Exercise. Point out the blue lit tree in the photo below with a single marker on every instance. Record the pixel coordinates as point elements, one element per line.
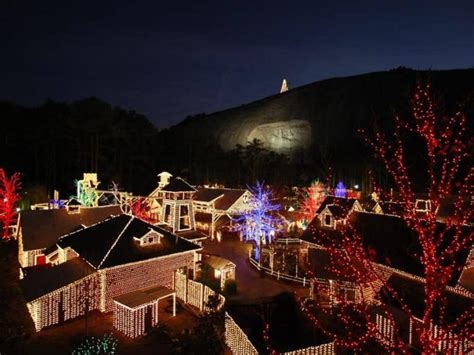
<point>257,223</point>
<point>340,190</point>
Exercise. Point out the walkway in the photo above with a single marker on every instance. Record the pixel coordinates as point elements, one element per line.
<point>251,286</point>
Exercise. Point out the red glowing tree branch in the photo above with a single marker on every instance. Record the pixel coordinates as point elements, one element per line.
<point>9,195</point>
<point>447,150</point>
<point>141,209</point>
<point>314,196</point>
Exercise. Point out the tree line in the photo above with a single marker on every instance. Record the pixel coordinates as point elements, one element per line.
<point>51,145</point>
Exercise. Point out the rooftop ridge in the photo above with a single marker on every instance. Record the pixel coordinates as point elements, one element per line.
<point>115,242</point>
<point>92,225</point>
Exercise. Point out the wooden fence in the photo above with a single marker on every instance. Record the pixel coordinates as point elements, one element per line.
<point>194,293</point>
<point>279,275</point>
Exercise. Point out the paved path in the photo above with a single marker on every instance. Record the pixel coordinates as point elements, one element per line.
<point>251,287</point>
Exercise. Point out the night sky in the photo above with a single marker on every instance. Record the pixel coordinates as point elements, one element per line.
<point>175,58</point>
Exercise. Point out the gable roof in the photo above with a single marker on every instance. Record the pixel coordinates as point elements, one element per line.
<point>43,281</point>
<point>178,185</point>
<point>217,262</point>
<point>111,242</point>
<point>224,198</point>
<point>338,211</point>
<point>205,194</point>
<point>73,202</point>
<point>346,203</point>
<point>413,293</point>
<point>466,279</point>
<point>42,228</point>
<point>368,205</point>
<point>387,238</point>
<point>393,208</point>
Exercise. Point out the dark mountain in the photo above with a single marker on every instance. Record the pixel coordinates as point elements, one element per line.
<point>317,123</point>
<point>294,137</point>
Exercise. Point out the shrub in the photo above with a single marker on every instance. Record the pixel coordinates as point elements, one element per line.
<point>97,346</point>
<point>230,287</point>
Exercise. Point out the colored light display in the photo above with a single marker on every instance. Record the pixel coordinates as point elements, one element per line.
<point>258,223</point>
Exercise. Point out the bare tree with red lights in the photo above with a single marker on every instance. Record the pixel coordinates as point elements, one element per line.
<point>9,195</point>
<point>449,175</point>
<point>313,197</point>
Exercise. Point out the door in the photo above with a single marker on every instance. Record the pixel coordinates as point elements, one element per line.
<point>60,309</point>
<point>149,319</point>
<point>40,259</point>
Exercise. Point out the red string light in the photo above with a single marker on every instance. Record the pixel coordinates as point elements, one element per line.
<point>9,195</point>
<point>447,152</point>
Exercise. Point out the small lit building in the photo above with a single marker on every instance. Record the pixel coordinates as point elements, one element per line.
<point>155,198</point>
<point>40,229</point>
<point>137,312</point>
<point>215,208</point>
<point>393,250</point>
<point>96,265</point>
<point>223,269</point>
<point>177,211</point>
<point>336,210</point>
<point>339,287</point>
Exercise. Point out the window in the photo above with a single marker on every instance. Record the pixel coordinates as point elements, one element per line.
<point>350,295</point>
<point>73,209</point>
<point>327,220</point>
<point>167,218</point>
<point>151,238</point>
<point>184,220</point>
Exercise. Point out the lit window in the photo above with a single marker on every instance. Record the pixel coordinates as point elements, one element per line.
<point>151,238</point>
<point>327,220</point>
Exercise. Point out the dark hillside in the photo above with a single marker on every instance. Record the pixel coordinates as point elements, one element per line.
<point>53,144</point>
<point>296,136</point>
<point>334,109</point>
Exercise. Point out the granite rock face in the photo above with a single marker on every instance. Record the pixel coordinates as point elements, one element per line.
<point>323,118</point>
<point>283,137</point>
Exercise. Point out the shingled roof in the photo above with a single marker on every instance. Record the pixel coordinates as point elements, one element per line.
<point>393,208</point>
<point>178,185</point>
<point>345,203</point>
<point>111,242</point>
<point>46,280</point>
<point>338,211</point>
<point>41,229</point>
<point>217,262</point>
<point>413,293</point>
<point>224,198</point>
<point>388,238</point>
